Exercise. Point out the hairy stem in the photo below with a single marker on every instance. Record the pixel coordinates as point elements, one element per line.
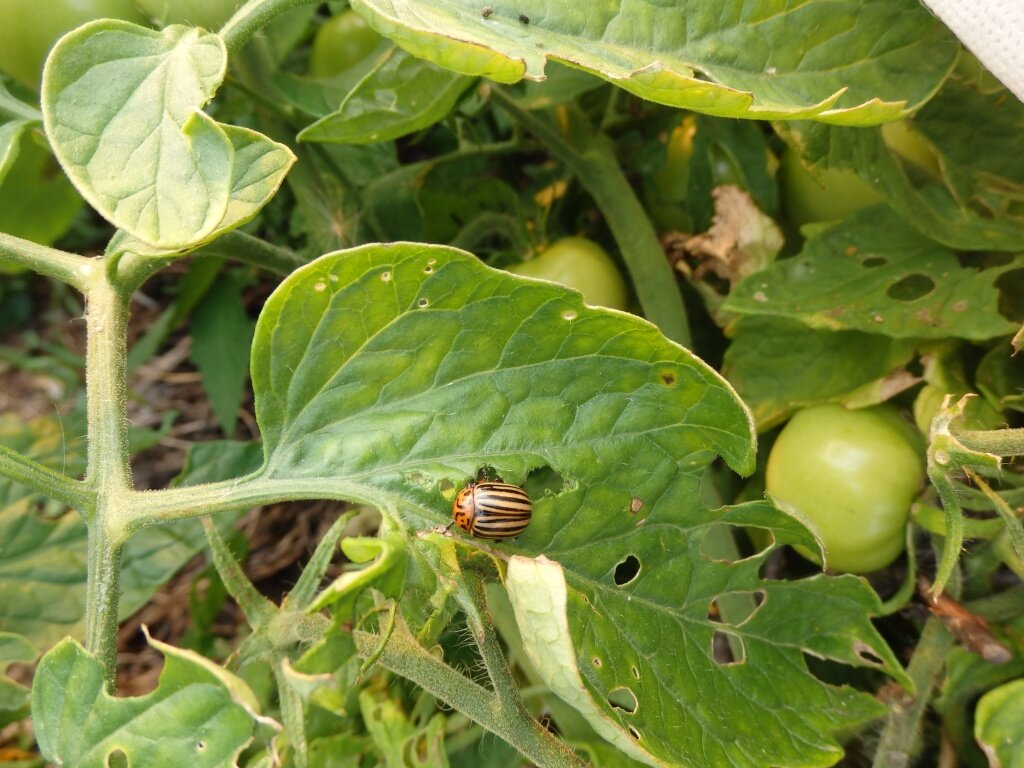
<point>1001,442</point>
<point>404,656</point>
<point>66,267</point>
<point>32,475</point>
<point>251,18</point>
<point>108,471</point>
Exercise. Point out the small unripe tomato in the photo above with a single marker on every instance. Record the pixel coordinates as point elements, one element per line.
<point>578,263</point>
<point>342,41</point>
<point>853,474</point>
<point>492,510</point>
<point>830,194</point>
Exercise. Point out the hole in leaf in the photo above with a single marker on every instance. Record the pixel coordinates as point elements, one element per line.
<point>635,671</point>
<point>737,606</point>
<point>761,539</point>
<point>626,571</point>
<point>622,698</point>
<point>874,261</point>
<point>727,648</point>
<point>423,302</point>
<point>867,654</point>
<point>543,481</point>
<point>1011,295</point>
<point>117,759</point>
<point>447,488</point>
<point>712,535</point>
<point>634,733</point>
<point>597,662</point>
<point>911,288</point>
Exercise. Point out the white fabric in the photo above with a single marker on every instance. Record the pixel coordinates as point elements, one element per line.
<point>993,30</point>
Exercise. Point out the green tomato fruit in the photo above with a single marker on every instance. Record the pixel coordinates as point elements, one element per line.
<point>208,14</point>
<point>342,42</point>
<point>854,474</point>
<point>28,30</point>
<point>582,264</point>
<point>829,195</point>
<point>37,201</point>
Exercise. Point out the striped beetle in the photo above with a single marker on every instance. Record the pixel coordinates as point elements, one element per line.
<point>491,510</point>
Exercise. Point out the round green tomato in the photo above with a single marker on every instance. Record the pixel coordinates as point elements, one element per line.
<point>208,14</point>
<point>829,195</point>
<point>581,264</point>
<point>854,474</point>
<point>342,42</point>
<point>28,29</point>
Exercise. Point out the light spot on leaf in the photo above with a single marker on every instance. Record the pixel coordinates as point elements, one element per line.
<point>320,286</point>
<point>385,276</point>
<point>569,314</point>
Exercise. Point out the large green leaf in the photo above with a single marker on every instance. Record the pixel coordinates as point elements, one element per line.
<point>778,365</point>
<point>400,95</point>
<point>122,107</point>
<point>389,374</point>
<point>199,715</point>
<point>875,273</point>
<point>858,62</point>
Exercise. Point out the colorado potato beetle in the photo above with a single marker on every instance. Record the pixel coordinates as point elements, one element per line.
<point>492,510</point>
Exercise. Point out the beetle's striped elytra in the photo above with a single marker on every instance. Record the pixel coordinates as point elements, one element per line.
<point>492,510</point>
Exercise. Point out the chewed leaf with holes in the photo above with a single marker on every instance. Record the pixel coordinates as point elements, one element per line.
<point>860,61</point>
<point>875,273</point>
<point>122,107</point>
<point>388,372</point>
<point>641,648</point>
<point>199,715</point>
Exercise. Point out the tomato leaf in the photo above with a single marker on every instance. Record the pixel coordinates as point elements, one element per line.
<point>778,365</point>
<point>221,335</point>
<point>122,108</point>
<point>199,713</point>
<point>14,649</point>
<point>999,724</point>
<point>387,374</point>
<point>870,61</point>
<point>400,95</point>
<point>877,274</point>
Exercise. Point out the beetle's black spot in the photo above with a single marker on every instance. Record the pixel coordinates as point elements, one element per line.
<point>200,746</point>
<point>626,571</point>
<point>524,19</point>
<point>623,698</point>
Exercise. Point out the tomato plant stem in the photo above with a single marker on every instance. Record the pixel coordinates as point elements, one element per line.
<point>251,18</point>
<point>903,722</point>
<point>404,656</point>
<point>67,267</point>
<point>589,154</point>
<point>108,470</point>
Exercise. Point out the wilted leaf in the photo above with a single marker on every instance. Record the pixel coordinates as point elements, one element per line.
<point>858,62</point>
